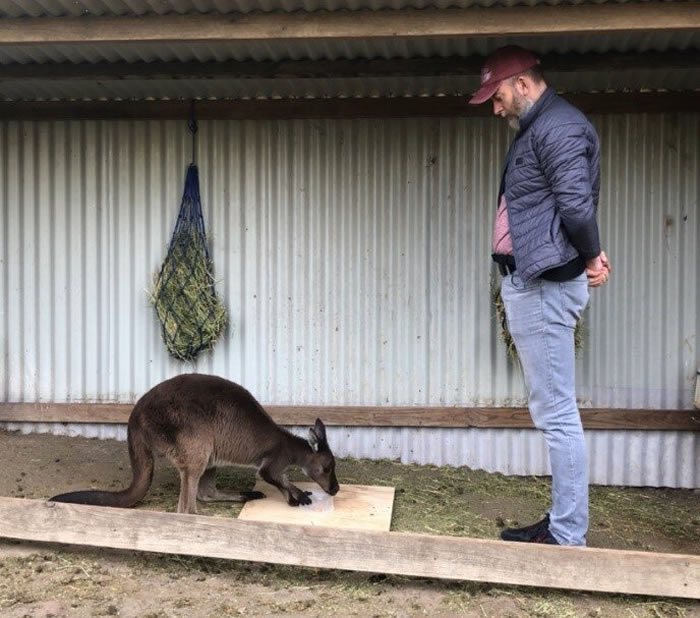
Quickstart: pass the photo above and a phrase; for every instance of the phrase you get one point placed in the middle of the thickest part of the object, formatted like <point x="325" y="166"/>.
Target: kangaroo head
<point x="320" y="463"/>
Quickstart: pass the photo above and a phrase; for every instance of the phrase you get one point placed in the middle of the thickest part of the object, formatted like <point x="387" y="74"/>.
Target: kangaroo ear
<point x="313" y="441"/>
<point x="320" y="429"/>
<point x="317" y="436"/>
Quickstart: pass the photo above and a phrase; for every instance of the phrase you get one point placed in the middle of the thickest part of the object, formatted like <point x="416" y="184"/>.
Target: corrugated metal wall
<point x="353" y="258"/>
<point x="634" y="458"/>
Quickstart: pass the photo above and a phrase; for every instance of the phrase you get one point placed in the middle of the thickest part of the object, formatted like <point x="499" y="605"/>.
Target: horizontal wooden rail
<point x="422" y="555"/>
<point x="272" y="109"/>
<point x="361" y="24"/>
<point x="371" y="416"/>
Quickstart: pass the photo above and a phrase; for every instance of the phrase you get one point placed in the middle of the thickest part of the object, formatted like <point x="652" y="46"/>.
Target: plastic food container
<point x="321" y="502"/>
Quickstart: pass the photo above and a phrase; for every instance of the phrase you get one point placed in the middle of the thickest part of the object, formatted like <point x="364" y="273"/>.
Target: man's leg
<point x="542" y="317"/>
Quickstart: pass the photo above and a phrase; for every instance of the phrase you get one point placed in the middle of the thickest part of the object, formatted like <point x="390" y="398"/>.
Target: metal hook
<point x="192" y="124"/>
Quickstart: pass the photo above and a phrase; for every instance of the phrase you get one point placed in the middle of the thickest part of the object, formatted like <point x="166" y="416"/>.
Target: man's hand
<point x="598" y="270"/>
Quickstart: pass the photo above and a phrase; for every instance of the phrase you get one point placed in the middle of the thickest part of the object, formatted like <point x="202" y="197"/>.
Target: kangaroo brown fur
<point x="199" y="422"/>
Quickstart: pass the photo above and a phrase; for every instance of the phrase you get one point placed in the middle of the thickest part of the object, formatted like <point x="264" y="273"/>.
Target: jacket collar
<point x="541" y="103"/>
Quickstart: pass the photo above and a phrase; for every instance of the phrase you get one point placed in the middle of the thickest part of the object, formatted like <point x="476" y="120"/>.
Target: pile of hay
<point x="192" y="316"/>
<point x="505" y="333"/>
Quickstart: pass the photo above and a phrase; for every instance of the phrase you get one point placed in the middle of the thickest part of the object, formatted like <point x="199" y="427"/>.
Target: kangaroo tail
<point x="142" y="468"/>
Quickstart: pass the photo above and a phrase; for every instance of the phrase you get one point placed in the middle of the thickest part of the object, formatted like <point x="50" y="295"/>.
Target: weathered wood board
<point x="372" y="416"/>
<point x="423" y="555"/>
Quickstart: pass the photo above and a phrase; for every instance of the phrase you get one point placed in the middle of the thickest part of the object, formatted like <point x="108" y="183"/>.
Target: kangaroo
<point x="199" y="422"/>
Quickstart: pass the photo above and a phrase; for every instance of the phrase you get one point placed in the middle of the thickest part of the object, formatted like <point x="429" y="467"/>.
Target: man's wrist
<point x="595" y="263"/>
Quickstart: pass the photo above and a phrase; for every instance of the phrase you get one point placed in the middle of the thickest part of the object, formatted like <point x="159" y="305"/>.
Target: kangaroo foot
<point x="252" y="495"/>
<point x="222" y="496"/>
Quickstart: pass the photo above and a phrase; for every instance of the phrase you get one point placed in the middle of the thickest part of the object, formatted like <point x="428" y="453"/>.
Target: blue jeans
<point x="541" y="318"/>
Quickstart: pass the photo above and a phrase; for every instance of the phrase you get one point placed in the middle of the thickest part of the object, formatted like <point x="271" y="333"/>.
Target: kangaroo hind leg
<point x="208" y="492"/>
<point x="190" y="466"/>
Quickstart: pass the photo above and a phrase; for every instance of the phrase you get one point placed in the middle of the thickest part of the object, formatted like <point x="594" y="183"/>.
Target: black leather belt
<point x="570" y="270"/>
<point x="506" y="269"/>
<point x="506" y="263"/>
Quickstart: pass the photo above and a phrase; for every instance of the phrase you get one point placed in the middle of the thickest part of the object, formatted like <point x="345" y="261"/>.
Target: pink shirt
<point x="502" y="243"/>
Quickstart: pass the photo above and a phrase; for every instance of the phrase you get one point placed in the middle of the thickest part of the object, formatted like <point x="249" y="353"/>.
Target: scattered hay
<point x="446" y="500"/>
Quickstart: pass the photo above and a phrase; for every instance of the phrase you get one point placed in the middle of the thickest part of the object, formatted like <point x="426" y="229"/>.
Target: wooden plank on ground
<point x="362" y="507"/>
<point x="373" y="416"/>
<point x="459" y="558"/>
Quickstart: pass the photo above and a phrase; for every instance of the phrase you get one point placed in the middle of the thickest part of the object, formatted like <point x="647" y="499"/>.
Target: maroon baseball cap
<point x="502" y="64"/>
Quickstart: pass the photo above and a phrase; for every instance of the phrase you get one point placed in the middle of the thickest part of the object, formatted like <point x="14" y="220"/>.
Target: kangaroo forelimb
<point x="292" y="493"/>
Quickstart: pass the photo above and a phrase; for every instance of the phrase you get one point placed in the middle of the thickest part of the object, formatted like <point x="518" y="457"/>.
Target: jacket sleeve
<point x="567" y="154"/>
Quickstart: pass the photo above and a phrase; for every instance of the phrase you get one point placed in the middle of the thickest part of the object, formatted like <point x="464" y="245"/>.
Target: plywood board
<point x="364" y="507"/>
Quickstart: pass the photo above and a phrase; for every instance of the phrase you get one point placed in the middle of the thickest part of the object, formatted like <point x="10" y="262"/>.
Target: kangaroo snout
<point x="329" y="484"/>
<point x="333" y="487"/>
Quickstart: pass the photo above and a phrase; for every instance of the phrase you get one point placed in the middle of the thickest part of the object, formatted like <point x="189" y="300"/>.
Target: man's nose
<point x="497" y="108"/>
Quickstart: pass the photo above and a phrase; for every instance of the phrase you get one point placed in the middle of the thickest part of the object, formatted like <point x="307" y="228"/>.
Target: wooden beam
<point x="343" y="68"/>
<point x="364" y="24"/>
<point x="677" y="420"/>
<point x="420" y="555"/>
<point x="65" y="412"/>
<point x="367" y="416"/>
<point x="269" y="109"/>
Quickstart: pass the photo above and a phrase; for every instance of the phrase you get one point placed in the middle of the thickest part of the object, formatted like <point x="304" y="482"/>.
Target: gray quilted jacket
<point x="551" y="184"/>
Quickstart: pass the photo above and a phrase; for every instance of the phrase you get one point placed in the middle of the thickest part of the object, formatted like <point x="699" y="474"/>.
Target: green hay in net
<point x="191" y="315"/>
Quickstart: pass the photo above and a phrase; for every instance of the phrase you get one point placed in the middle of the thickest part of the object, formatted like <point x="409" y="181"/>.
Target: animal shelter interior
<point x="347" y="192"/>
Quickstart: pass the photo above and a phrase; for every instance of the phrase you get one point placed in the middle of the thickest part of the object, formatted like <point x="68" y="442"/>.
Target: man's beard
<point x="513" y="122"/>
<point x="521" y="106"/>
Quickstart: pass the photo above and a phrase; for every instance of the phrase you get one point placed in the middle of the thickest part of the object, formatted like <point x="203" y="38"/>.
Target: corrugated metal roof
<point x="672" y="78"/>
<point x="333" y="49"/>
<point x="343" y="48"/>
<point x="173" y="89"/>
<point x="75" y="8"/>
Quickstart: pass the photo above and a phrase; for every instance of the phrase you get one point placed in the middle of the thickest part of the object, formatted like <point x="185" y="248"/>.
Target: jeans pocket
<point x="516" y="281"/>
<point x="575" y="295"/>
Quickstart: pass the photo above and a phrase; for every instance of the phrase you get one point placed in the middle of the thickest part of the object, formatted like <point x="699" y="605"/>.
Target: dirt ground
<point x="42" y="581"/>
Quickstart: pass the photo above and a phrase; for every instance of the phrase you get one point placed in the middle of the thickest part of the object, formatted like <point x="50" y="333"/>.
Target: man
<point x="547" y="248"/>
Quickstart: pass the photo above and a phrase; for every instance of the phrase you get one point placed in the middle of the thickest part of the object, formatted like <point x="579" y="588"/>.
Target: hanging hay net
<point x="501" y="317"/>
<point x="191" y="315"/>
<point x="505" y="332"/>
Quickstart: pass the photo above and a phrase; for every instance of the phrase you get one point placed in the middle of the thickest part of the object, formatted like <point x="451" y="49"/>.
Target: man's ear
<point x="521" y="85"/>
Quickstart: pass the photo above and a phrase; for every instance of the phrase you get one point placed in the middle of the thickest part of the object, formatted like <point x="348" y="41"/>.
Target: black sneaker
<point x="546" y="538"/>
<point x="528" y="534"/>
